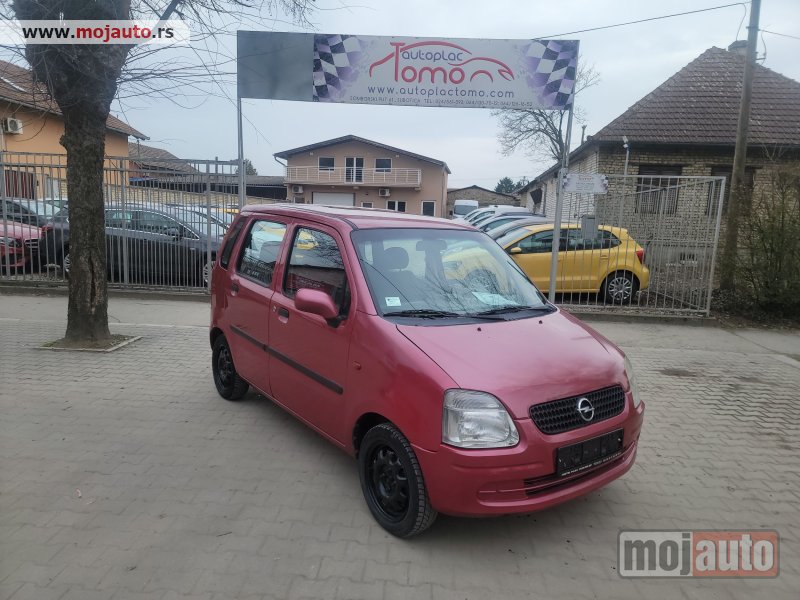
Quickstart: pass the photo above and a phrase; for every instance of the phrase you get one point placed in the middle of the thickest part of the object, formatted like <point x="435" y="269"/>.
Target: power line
<point x="786" y="35"/>
<point x="689" y="12"/>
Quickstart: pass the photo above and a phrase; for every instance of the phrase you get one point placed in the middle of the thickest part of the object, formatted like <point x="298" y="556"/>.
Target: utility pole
<point x="739" y="191"/>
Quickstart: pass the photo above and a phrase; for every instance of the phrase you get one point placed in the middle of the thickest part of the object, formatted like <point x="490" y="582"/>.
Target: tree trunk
<point x="84" y="140"/>
<point x="82" y="80"/>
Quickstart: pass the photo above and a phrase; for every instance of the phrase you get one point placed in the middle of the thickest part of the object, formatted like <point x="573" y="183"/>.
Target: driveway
<point x="124" y="475"/>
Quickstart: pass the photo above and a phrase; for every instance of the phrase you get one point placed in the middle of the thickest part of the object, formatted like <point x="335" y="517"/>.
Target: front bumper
<point x="523" y="479"/>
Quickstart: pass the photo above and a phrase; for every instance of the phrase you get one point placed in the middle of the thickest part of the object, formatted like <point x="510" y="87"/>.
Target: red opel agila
<point x="466" y="395"/>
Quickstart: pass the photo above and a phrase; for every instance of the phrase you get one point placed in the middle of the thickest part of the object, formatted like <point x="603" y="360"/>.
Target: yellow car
<point x="608" y="262"/>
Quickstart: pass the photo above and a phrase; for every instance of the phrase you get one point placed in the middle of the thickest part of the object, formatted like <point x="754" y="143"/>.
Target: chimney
<point x="738" y="47"/>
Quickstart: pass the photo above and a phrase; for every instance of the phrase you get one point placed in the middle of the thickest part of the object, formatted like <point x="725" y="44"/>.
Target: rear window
<point x="230" y="242"/>
<point x="260" y="251"/>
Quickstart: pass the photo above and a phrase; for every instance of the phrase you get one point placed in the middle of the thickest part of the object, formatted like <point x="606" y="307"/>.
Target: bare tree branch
<point x="541" y="132"/>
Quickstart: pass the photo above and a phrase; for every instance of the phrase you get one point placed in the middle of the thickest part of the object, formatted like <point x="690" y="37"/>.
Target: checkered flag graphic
<point x="335" y="61"/>
<point x="553" y="65"/>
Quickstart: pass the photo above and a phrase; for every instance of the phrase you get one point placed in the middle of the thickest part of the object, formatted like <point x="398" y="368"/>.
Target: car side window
<point x="119" y="219"/>
<point x="260" y="250"/>
<point x="316" y="263"/>
<point x="156" y="223"/>
<point x="230" y="242"/>
<point x="537" y="243"/>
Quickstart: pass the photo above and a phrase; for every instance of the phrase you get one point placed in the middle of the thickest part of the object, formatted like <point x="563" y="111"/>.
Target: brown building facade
<point x="353" y="171"/>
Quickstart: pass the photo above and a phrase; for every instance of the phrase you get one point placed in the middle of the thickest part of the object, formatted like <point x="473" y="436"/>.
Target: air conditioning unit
<point x="297" y="189"/>
<point x="384" y="192"/>
<point x="13" y="126"/>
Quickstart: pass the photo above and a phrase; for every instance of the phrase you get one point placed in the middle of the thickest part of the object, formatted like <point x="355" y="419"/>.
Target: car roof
<point x="355" y="217"/>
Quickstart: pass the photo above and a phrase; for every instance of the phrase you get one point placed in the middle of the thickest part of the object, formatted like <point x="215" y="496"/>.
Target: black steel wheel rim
<point x="388" y="483"/>
<point x="225" y="367"/>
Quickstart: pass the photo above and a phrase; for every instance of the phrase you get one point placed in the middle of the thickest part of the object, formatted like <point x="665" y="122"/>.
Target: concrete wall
<point x="433" y="183"/>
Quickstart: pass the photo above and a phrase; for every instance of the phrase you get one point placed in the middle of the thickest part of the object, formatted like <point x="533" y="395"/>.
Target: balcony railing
<point x="354" y="176"/>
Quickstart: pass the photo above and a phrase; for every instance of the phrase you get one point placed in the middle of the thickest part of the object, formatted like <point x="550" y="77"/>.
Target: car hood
<point x="19" y="230"/>
<point x="524" y="361"/>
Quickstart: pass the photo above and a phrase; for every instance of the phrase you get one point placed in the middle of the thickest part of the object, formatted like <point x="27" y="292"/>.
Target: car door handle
<point x="604" y="257"/>
<point x="282" y="312"/>
<point x="234" y="288"/>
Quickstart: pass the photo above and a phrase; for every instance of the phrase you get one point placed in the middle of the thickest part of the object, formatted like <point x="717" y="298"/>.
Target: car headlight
<point x="632" y="383"/>
<point x="476" y="420"/>
<point x="10" y="242"/>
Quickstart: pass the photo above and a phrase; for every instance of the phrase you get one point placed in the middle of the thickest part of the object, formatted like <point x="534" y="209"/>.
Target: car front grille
<point x="32" y="244"/>
<point x="562" y="415"/>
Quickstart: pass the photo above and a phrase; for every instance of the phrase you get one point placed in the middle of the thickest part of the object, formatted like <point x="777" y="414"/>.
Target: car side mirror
<point x="316" y="302"/>
<point x="515" y="250"/>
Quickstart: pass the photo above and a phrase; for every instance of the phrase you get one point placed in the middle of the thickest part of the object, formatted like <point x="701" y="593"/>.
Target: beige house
<point x="353" y="171"/>
<point x="30" y="121"/>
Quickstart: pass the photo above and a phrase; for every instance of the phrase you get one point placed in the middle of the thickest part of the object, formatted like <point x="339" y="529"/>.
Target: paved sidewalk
<point x="125" y="476"/>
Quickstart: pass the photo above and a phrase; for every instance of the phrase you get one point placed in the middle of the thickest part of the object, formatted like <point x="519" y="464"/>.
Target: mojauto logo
<point x="405" y="59"/>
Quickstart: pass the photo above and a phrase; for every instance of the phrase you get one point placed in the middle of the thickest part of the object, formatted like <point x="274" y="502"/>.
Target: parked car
<point x="29" y="212"/>
<point x="349" y="320"/>
<point x="475" y="218"/>
<point x="156" y="246"/>
<point x="607" y="261"/>
<point x="462" y="207"/>
<point x="524" y="221"/>
<point x="497" y="221"/>
<point x="19" y="245"/>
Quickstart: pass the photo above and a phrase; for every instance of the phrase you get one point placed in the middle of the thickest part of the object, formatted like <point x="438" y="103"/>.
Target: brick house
<point x="685" y="127"/>
<point x="482" y="195"/>
<point x="353" y="171"/>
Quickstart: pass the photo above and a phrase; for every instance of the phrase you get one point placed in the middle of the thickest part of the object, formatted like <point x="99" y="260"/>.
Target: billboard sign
<point x="407" y="71"/>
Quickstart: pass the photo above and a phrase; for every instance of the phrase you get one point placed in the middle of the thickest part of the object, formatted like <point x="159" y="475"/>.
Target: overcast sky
<point x="631" y="60"/>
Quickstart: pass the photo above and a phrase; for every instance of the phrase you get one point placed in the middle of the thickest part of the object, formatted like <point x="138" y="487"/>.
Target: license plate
<point x="587" y="454"/>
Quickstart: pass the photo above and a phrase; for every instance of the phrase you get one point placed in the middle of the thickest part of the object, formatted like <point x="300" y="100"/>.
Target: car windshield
<point x="429" y="273"/>
<point x="41" y="208"/>
<point x="463" y="209"/>
<point x="475" y="216"/>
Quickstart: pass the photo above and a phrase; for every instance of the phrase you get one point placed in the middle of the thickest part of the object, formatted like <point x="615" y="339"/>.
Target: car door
<point x="118" y="229"/>
<point x="159" y="256"/>
<point x="533" y="257"/>
<point x="308" y="365"/>
<point x="249" y="294"/>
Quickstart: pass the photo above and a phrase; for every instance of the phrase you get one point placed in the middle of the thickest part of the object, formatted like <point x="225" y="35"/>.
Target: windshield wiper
<point x="422" y="313"/>
<point x="502" y="310"/>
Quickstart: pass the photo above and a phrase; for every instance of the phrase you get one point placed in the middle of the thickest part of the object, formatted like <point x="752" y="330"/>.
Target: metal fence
<point x="647" y="246"/>
<point x="165" y="219"/>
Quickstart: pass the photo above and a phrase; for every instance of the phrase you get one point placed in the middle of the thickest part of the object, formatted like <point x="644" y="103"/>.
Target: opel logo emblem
<point x="585" y="409"/>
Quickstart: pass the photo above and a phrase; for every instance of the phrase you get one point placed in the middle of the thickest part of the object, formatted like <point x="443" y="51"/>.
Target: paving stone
<point x="184" y="495"/>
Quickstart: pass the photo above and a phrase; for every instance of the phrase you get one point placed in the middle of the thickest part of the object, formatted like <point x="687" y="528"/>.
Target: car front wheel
<point x="620" y="287"/>
<point x="229" y="385"/>
<point x="392" y="483"/>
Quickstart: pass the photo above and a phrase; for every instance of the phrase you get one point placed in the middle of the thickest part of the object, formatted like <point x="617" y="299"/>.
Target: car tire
<point x="227" y="381"/>
<point x="392" y="482"/>
<point x="620" y="287"/>
<point x="65" y="262"/>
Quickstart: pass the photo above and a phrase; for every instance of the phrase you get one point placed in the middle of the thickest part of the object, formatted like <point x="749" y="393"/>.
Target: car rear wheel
<point x="229" y="385"/>
<point x="620" y="287"/>
<point x="392" y="483"/>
